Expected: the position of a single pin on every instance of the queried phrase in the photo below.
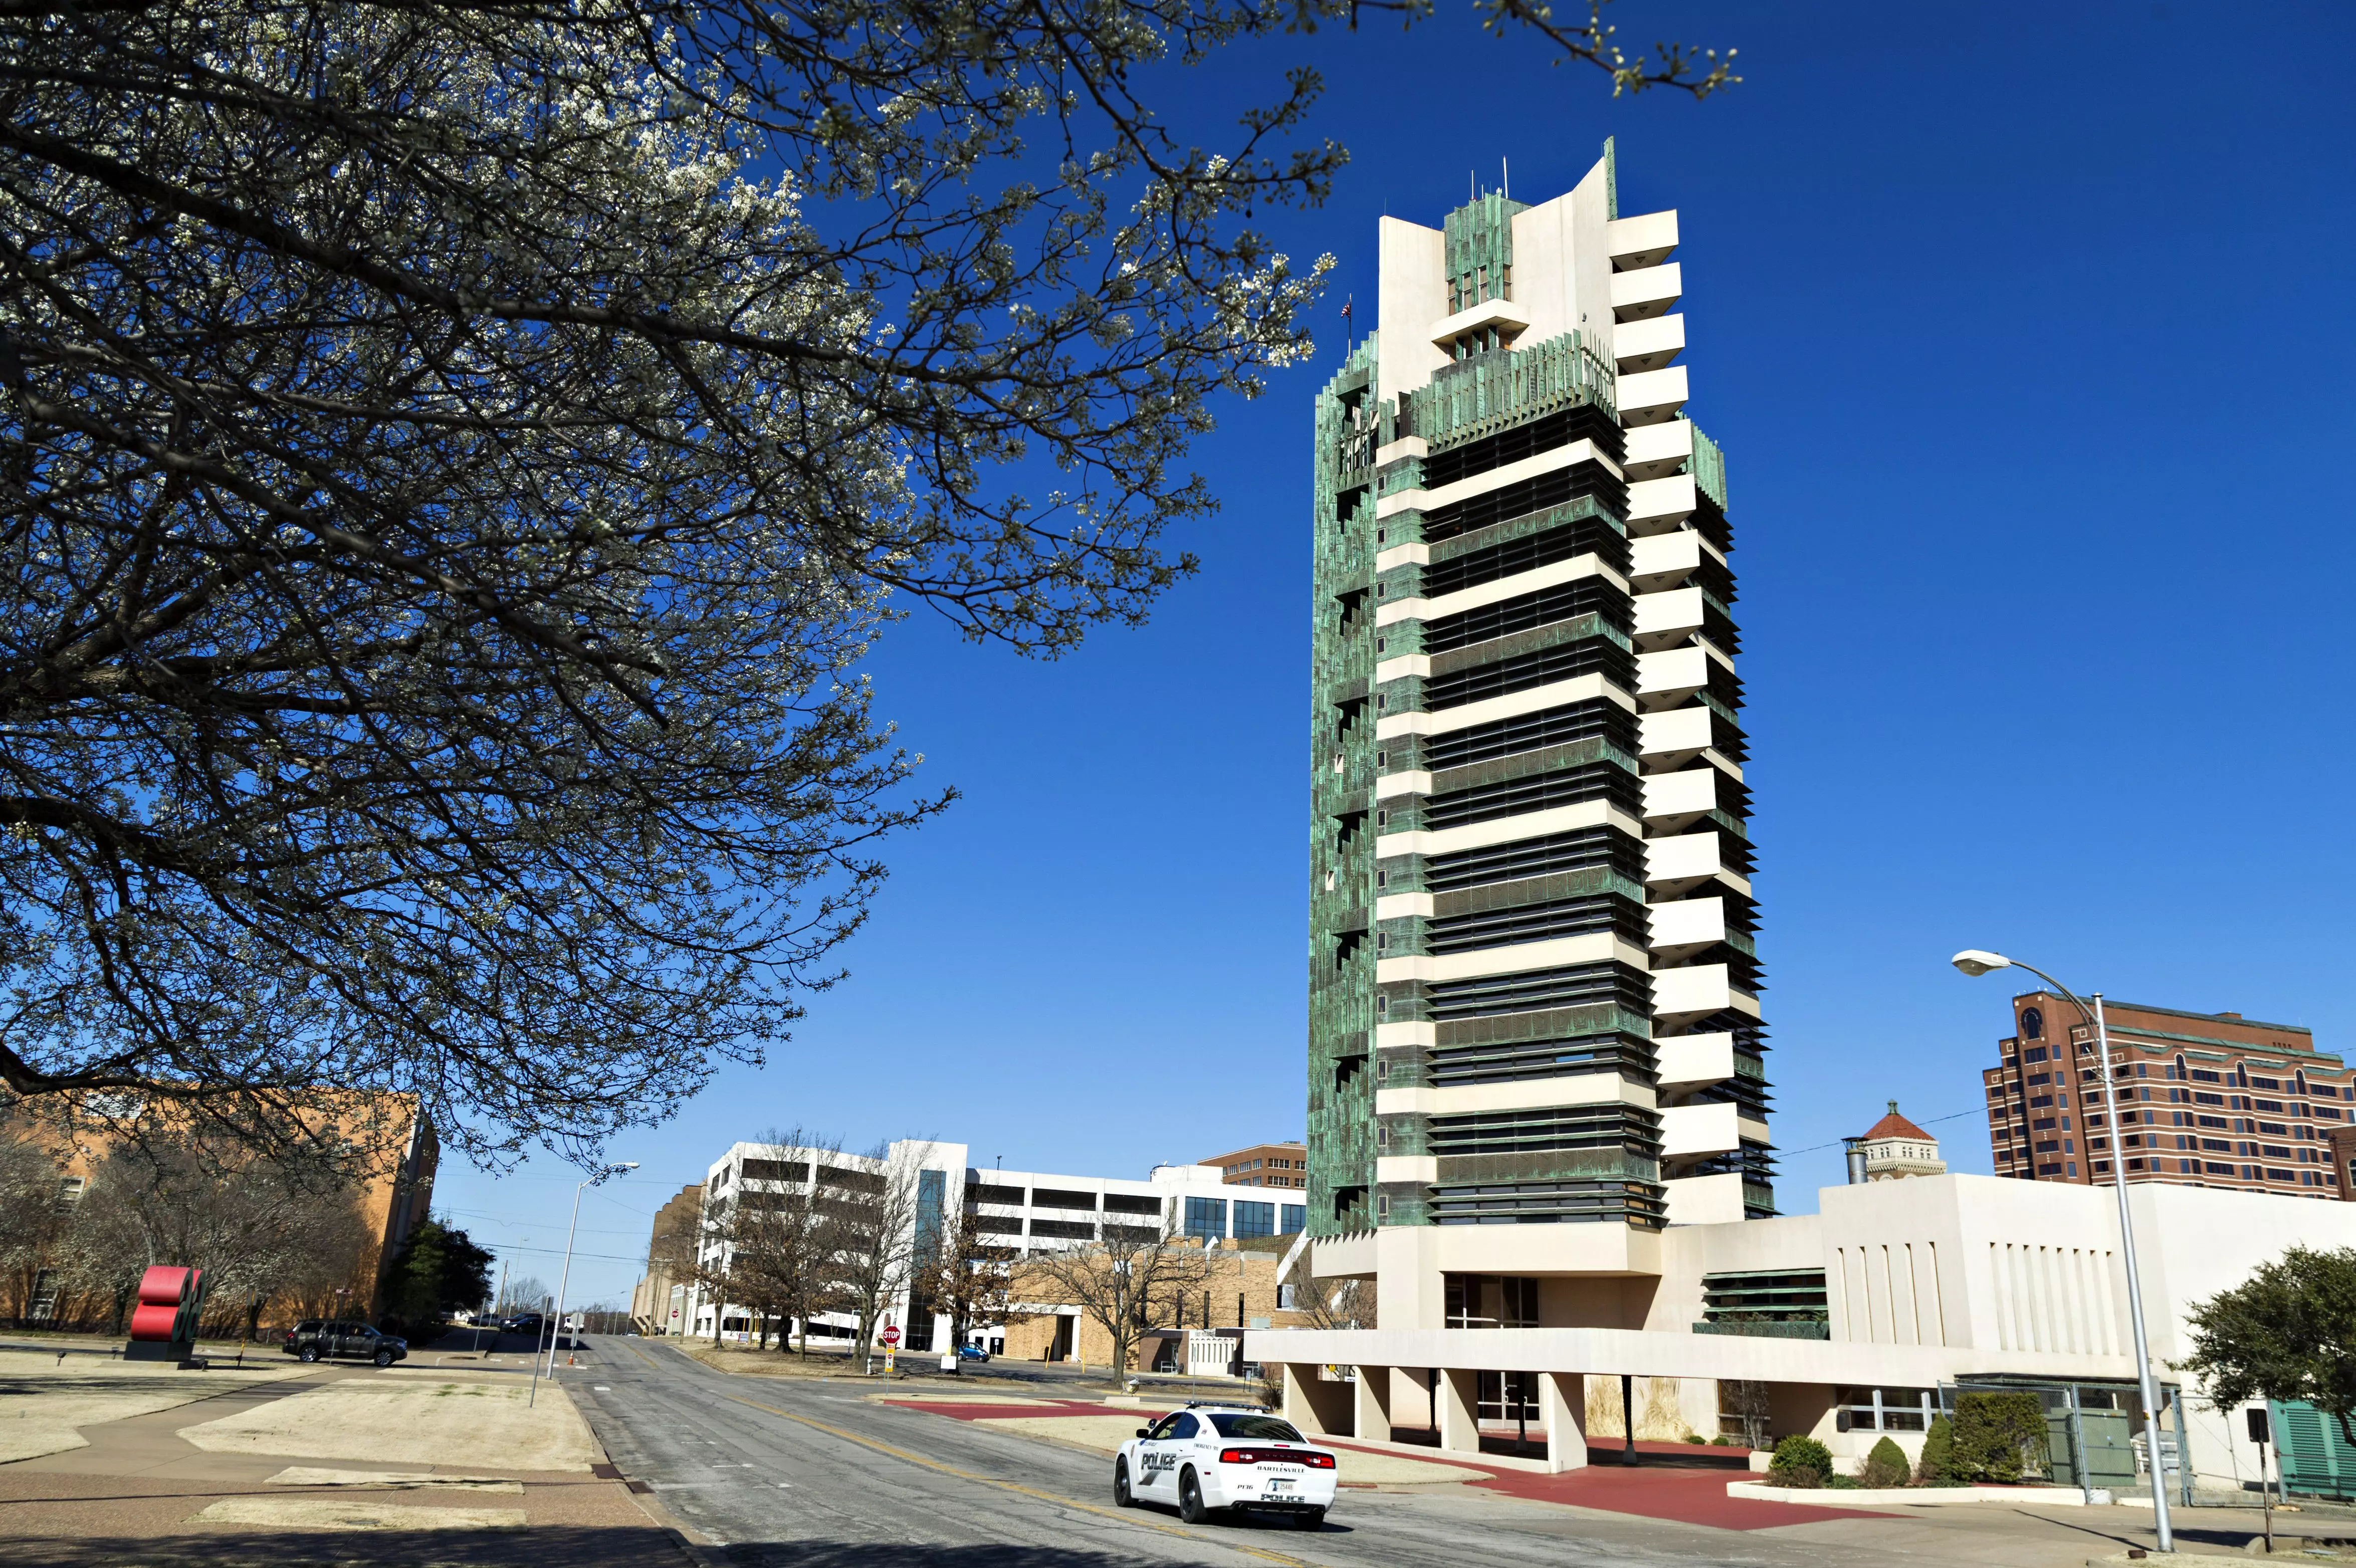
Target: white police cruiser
(1208, 1457)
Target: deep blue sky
(2027, 332)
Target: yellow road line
(902, 1454)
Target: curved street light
(1977, 961)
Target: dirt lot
(44, 1398)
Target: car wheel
(307, 1353)
(1190, 1498)
(1312, 1518)
(1121, 1496)
(384, 1358)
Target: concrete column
(1460, 1395)
(1318, 1408)
(1373, 1412)
(1562, 1405)
(1300, 1408)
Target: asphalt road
(818, 1475)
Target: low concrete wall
(1830, 1496)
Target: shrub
(1886, 1466)
(1998, 1437)
(1696, 1437)
(1721, 1441)
(1938, 1453)
(1800, 1462)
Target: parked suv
(316, 1338)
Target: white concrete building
(1023, 1210)
(1915, 1284)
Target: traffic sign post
(891, 1347)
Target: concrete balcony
(1658, 561)
(1690, 1061)
(1403, 906)
(1645, 240)
(1650, 397)
(1657, 505)
(1657, 451)
(1678, 864)
(1706, 1200)
(1669, 741)
(1504, 314)
(1422, 1168)
(1675, 801)
(1696, 991)
(1646, 292)
(1697, 1132)
(1514, 958)
(1408, 780)
(1652, 344)
(1665, 680)
(1687, 926)
(1667, 618)
(1519, 1094)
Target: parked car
(972, 1353)
(315, 1339)
(530, 1323)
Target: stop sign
(891, 1336)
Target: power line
(1957, 1115)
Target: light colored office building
(1023, 1210)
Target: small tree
(1886, 1466)
(778, 1238)
(968, 1277)
(867, 1235)
(1330, 1303)
(1132, 1277)
(2000, 1437)
(1799, 1461)
(1938, 1461)
(2289, 1332)
(440, 1269)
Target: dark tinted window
(308, 1326)
(1185, 1426)
(1167, 1426)
(1266, 1428)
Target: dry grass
(44, 1400)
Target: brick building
(2205, 1099)
(1243, 1289)
(1264, 1165)
(658, 1303)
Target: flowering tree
(454, 452)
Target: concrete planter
(1838, 1496)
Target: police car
(1212, 1457)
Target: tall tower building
(1533, 986)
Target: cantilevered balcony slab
(1646, 292)
(1643, 241)
(1504, 314)
(1678, 864)
(1675, 737)
(1515, 1094)
(1657, 505)
(1667, 618)
(1690, 1061)
(1514, 958)
(1695, 992)
(1675, 801)
(1665, 680)
(1651, 397)
(1506, 831)
(1650, 345)
(1687, 926)
(1697, 1132)
(1657, 451)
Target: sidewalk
(140, 1492)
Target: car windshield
(1266, 1427)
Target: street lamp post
(564, 1279)
(1975, 960)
